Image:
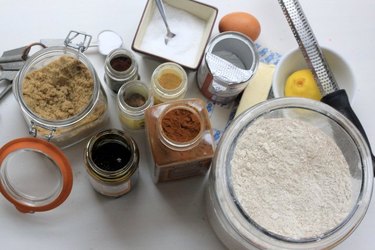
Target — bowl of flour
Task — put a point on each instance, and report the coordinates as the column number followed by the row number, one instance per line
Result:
column 290, row 173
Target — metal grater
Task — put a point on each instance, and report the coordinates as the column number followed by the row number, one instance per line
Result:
column 309, row 46
column 332, row 94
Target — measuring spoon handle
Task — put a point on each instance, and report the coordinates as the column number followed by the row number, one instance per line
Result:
column 161, row 9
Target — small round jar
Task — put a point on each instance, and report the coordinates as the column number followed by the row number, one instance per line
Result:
column 63, row 132
column 111, row 161
column 180, row 139
column 133, row 99
column 120, row 67
column 169, row 82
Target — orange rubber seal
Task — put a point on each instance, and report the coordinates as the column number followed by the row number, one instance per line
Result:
column 56, row 155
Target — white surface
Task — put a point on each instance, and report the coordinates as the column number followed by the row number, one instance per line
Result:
column 170, row 215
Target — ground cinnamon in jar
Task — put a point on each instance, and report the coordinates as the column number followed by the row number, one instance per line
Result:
column 181, row 125
column 180, row 138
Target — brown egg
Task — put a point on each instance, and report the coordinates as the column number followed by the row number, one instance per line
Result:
column 241, row 22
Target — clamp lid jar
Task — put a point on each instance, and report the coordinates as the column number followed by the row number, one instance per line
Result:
column 60, row 96
column 34, row 175
column 180, row 139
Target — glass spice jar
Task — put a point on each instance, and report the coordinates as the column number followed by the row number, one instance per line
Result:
column 180, row 138
column 133, row 99
column 111, row 161
column 120, row 67
column 59, row 123
column 169, row 82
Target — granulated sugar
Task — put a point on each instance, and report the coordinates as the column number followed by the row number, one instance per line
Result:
column 184, row 47
column 291, row 178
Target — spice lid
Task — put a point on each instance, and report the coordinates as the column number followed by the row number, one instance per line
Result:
column 34, row 175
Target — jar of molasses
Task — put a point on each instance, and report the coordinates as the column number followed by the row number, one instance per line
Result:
column 180, row 138
column 120, row 67
column 111, row 161
column 169, row 82
column 133, row 99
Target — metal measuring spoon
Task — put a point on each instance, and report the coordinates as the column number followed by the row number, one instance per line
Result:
column 169, row 35
column 107, row 40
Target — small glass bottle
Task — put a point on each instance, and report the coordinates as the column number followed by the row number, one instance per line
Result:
column 111, row 161
column 180, row 139
column 120, row 67
column 169, row 82
column 133, row 99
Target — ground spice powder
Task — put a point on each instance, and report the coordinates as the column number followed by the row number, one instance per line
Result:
column 59, row 90
column 181, row 125
column 169, row 81
column 121, row 63
column 135, row 100
column 170, row 163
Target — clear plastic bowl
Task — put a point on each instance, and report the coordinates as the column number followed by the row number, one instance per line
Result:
column 236, row 229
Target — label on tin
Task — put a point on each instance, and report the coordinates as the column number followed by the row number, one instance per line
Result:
column 227, row 67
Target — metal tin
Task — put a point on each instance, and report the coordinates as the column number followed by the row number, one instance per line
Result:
column 113, row 182
column 229, row 63
column 115, row 77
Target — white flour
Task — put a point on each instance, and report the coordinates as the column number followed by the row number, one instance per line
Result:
column 291, row 178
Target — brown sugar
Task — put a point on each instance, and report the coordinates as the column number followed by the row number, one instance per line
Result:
column 59, row 90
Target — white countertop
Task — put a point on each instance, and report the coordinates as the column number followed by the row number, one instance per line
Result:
column 170, row 215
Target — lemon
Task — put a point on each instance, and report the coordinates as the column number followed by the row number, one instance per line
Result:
column 302, row 84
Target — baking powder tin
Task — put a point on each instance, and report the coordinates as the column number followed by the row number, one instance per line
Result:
column 229, row 63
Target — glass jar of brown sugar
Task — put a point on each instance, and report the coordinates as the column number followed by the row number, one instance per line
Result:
column 60, row 96
column 120, row 67
column 169, row 82
column 180, row 138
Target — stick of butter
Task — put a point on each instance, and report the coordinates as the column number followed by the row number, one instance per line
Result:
column 258, row 88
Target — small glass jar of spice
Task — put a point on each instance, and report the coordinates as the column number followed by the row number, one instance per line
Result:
column 169, row 82
column 133, row 99
column 180, row 139
column 120, row 67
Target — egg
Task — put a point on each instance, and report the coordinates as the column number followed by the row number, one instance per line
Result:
column 241, row 22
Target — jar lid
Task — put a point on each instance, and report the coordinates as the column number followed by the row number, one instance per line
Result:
column 34, row 175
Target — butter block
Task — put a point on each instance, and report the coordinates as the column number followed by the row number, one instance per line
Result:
column 258, row 88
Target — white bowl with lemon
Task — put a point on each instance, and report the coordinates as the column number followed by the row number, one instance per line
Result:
column 293, row 78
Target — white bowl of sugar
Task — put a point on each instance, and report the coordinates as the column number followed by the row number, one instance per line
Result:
column 191, row 21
